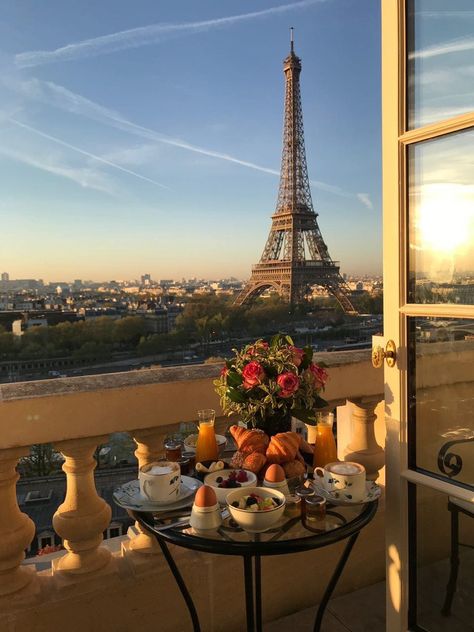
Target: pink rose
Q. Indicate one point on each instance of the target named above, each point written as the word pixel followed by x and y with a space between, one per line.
pixel 224 371
pixel 298 355
pixel 253 374
pixel 318 374
pixel 288 383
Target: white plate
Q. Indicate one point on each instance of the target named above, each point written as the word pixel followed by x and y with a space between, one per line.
pixel 128 496
pixel 221 443
pixel 372 492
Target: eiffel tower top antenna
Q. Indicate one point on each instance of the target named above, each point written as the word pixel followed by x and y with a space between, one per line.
pixel 291 39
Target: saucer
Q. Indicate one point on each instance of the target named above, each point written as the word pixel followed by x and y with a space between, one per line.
pixel 128 496
pixel 372 492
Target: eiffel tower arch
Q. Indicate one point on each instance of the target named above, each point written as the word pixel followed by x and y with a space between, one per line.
pixel 295 256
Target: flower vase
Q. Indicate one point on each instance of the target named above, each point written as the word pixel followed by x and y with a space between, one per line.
pixel 273 424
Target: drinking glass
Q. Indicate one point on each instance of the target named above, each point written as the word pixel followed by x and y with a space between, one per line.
pixel 206 445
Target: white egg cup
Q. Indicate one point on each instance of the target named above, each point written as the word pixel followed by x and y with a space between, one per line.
pixel 205 518
pixel 282 486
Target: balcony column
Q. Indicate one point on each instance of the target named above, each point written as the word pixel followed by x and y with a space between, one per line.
pixel 149 448
pixel 83 516
pixel 363 447
pixel 17 530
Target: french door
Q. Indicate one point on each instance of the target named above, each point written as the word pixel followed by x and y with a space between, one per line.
pixel 428 207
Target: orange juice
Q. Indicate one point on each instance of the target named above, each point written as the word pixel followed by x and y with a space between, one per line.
pixel 325 450
pixel 206 446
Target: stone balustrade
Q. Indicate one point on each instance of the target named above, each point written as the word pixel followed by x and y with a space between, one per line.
pixel 77 414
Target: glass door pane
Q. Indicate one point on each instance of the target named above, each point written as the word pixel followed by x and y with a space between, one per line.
pixel 440 60
pixel 441 219
pixel 442 543
pixel 441 398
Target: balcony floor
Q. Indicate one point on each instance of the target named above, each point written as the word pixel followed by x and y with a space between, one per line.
pixel 360 611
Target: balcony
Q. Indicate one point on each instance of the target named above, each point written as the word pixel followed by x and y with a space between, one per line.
pixel 123 583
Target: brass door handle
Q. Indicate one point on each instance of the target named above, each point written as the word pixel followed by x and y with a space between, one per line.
pixel 389 353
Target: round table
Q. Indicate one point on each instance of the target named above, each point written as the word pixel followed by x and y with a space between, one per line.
pixel 290 535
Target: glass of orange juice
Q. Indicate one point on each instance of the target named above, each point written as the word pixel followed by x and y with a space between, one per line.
pixel 206 445
pixel 325 450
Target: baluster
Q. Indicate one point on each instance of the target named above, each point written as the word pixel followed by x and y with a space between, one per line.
pixel 363 447
pixel 83 516
pixel 149 448
pixel 17 530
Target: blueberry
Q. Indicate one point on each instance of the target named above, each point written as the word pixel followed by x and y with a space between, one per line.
pixel 251 501
pixel 276 500
pixel 235 503
pixel 219 479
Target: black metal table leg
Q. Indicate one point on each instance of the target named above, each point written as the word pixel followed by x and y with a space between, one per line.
pixel 249 603
pixel 181 585
pixel 258 593
pixel 333 581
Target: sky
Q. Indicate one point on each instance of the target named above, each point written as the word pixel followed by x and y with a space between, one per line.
pixel 145 137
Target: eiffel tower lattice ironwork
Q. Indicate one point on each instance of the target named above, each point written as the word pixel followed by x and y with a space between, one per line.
pixel 295 255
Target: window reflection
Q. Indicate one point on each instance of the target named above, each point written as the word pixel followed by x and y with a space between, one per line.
pixel 441 220
pixel 440 60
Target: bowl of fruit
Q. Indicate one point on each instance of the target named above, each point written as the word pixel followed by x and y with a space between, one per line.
pixel 256 509
pixel 225 481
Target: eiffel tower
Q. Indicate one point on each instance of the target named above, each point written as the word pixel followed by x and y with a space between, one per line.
pixel 295 256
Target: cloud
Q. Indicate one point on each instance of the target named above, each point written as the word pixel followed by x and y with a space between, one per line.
pixel 365 199
pixel 446 48
pixel 144 36
pixel 94 157
pixel 62 98
pixel 86 177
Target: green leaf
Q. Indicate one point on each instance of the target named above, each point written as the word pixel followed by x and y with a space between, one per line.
pixel 234 379
pixel 275 341
pixel 289 340
pixel 304 415
pixel 235 396
pixel 319 402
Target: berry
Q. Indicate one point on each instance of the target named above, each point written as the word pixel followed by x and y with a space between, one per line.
pixel 235 503
pixel 219 479
pixel 251 501
pixel 232 474
pixel 242 476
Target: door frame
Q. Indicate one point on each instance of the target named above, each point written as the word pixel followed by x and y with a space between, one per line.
pixel 395 142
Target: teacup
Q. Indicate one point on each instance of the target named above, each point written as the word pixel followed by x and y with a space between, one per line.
pixel 160 481
pixel 344 477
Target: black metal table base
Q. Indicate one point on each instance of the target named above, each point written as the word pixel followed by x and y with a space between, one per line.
pixel 253 587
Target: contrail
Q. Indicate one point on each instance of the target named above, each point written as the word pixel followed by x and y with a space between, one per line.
pixel 446 48
pixel 86 153
pixel 143 36
pixel 60 97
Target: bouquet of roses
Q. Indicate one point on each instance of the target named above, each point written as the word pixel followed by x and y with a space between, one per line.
pixel 267 379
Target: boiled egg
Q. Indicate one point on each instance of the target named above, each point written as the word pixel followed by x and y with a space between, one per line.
pixel 275 474
pixel 205 497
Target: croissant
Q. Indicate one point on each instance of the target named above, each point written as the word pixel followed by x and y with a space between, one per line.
pixel 249 441
pixel 283 447
pixel 254 462
pixel 293 468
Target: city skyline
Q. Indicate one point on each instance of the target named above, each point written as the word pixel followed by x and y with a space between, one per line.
pixel 171 165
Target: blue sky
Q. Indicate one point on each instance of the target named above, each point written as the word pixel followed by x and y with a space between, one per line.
pixel 146 136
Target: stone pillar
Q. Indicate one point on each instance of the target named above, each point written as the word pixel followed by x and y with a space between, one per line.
pixel 83 516
pixel 149 448
pixel 363 447
pixel 17 530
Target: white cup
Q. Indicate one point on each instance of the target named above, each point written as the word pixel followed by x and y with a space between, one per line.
pixel 344 478
pixel 160 481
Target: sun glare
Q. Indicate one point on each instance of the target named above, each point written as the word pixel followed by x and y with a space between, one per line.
pixel 445 217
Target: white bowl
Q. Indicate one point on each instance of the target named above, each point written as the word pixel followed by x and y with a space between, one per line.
pixel 256 521
pixel 190 443
pixel 223 492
